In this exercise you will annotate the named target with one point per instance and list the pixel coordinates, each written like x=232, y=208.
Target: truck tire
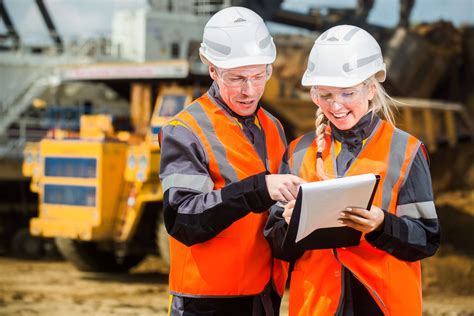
x=86, y=256
x=25, y=246
x=162, y=241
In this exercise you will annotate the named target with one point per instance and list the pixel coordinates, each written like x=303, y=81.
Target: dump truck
x=99, y=192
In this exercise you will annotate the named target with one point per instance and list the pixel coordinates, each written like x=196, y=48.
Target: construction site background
x=45, y=90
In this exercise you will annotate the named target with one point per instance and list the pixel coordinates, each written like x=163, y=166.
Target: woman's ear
x=314, y=96
x=212, y=72
x=372, y=89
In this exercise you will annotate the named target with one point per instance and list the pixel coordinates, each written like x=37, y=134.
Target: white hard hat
x=235, y=37
x=344, y=56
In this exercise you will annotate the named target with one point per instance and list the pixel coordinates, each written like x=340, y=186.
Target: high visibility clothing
x=238, y=260
x=316, y=281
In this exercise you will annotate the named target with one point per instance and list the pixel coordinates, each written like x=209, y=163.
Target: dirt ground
x=55, y=288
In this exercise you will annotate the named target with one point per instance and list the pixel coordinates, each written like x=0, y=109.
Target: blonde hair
x=379, y=104
x=321, y=124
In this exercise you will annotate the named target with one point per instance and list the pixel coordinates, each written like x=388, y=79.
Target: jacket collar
x=356, y=135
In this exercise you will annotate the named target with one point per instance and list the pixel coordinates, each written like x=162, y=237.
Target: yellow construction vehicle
x=99, y=192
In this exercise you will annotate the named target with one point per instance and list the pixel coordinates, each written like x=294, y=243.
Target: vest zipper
x=374, y=293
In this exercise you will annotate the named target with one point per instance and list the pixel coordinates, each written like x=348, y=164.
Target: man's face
x=241, y=88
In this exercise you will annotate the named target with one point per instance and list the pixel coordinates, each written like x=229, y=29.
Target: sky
x=93, y=18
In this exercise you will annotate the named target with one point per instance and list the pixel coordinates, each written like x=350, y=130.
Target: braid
x=321, y=123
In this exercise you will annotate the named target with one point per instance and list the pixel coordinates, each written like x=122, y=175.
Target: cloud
x=72, y=18
x=85, y=20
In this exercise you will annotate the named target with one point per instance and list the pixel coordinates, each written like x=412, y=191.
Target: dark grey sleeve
x=193, y=211
x=414, y=232
x=276, y=227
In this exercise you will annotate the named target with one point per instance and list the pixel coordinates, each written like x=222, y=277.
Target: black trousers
x=357, y=299
x=235, y=306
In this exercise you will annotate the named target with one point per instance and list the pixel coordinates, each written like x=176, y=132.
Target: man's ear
x=269, y=71
x=212, y=72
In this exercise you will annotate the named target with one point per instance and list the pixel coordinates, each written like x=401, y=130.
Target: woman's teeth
x=340, y=115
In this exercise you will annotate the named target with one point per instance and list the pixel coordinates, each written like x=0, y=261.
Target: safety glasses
x=234, y=80
x=324, y=96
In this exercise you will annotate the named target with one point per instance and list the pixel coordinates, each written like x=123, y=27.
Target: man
x=217, y=157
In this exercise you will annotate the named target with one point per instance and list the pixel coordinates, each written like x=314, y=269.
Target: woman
x=380, y=276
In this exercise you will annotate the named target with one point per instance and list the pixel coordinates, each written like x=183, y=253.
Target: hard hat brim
x=241, y=62
x=309, y=81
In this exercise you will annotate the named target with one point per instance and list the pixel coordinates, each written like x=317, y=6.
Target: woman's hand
x=288, y=211
x=361, y=219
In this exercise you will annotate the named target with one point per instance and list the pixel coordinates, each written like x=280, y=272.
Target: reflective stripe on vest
x=194, y=182
x=317, y=277
x=238, y=260
x=300, y=151
x=217, y=148
x=281, y=132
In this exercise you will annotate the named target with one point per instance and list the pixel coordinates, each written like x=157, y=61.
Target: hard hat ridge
x=236, y=37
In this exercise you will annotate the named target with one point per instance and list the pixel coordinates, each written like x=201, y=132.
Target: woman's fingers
x=361, y=219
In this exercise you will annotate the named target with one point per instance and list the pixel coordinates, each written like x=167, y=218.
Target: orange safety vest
x=316, y=279
x=238, y=260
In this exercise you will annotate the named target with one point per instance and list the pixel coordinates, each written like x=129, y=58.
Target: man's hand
x=283, y=187
x=361, y=219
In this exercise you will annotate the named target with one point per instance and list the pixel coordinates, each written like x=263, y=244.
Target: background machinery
x=99, y=191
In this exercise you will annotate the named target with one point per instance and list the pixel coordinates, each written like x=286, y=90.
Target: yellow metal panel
x=70, y=148
x=65, y=229
x=95, y=222
x=79, y=214
x=142, y=163
x=96, y=126
x=149, y=192
x=70, y=181
x=140, y=107
x=111, y=184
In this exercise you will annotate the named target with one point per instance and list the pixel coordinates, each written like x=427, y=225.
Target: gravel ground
x=55, y=288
